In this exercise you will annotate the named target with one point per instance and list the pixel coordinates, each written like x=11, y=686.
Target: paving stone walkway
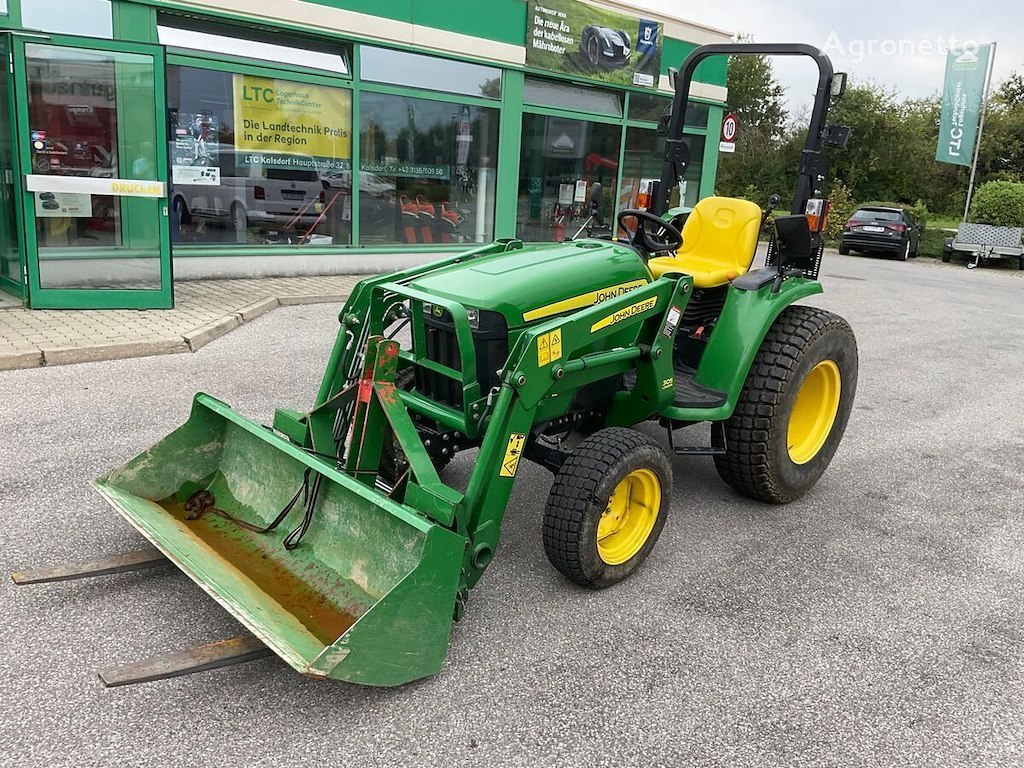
x=204, y=310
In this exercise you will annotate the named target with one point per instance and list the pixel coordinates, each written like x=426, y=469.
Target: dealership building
x=153, y=141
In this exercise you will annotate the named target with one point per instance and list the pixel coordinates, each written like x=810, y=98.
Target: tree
x=756, y=98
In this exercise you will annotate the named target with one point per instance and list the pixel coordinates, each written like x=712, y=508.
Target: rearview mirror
x=838, y=85
x=673, y=75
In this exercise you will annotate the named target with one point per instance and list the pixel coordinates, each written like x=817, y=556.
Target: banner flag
x=962, y=97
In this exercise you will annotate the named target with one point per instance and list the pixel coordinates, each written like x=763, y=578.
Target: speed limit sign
x=730, y=126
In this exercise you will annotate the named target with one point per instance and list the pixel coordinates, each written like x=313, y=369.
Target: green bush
x=931, y=243
x=1000, y=203
x=840, y=210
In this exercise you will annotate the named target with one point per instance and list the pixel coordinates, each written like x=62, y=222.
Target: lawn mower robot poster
x=570, y=36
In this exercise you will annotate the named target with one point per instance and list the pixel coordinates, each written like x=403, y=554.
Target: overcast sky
x=848, y=31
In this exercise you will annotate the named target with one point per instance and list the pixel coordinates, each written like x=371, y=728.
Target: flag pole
x=981, y=129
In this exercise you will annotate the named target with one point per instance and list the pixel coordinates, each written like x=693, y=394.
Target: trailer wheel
x=607, y=507
x=794, y=407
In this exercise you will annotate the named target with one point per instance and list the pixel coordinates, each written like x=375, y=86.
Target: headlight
x=474, y=318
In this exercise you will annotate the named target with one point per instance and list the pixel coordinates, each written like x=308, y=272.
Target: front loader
x=331, y=534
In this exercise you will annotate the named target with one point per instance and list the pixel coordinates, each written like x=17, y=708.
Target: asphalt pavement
x=877, y=621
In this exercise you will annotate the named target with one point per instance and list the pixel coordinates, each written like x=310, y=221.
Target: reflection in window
x=645, y=153
x=89, y=18
x=302, y=54
x=258, y=160
x=426, y=172
x=561, y=161
x=413, y=70
x=582, y=98
x=651, y=107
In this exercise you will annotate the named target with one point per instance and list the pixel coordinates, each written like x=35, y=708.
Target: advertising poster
x=572, y=37
x=286, y=124
x=54, y=205
x=195, y=149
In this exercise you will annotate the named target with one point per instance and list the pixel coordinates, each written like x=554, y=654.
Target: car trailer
x=982, y=242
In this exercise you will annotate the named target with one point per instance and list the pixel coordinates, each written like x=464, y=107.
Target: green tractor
x=333, y=538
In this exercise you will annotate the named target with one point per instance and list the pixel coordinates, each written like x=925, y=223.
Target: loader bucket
x=367, y=595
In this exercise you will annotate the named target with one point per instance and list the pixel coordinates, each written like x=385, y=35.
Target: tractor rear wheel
x=794, y=407
x=607, y=507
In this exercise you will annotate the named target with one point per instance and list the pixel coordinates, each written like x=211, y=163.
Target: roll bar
x=677, y=155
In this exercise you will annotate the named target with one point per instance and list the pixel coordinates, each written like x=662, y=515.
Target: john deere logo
x=437, y=311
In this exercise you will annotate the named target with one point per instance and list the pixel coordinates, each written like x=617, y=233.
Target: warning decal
x=549, y=347
x=510, y=463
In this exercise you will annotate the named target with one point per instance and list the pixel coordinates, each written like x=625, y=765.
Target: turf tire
x=757, y=461
x=580, y=495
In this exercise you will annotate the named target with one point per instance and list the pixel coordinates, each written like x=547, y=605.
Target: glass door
x=92, y=144
x=12, y=275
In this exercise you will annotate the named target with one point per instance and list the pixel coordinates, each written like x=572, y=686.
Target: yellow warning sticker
x=549, y=347
x=510, y=463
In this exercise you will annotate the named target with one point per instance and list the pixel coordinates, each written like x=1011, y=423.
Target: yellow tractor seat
x=719, y=239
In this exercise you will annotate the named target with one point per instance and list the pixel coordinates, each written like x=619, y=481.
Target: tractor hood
x=540, y=281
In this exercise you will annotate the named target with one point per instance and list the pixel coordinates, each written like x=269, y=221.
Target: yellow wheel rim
x=628, y=520
x=814, y=411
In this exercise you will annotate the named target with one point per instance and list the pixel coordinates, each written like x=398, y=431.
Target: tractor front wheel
x=607, y=507
x=793, y=409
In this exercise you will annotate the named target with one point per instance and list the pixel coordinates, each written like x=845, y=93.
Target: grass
x=943, y=222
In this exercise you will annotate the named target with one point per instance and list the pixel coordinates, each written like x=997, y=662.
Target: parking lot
x=877, y=621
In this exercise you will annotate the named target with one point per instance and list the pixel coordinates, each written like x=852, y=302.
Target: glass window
x=412, y=70
x=90, y=18
x=561, y=161
x=279, y=49
x=645, y=153
x=258, y=160
x=649, y=106
x=3, y=6
x=426, y=172
x=582, y=98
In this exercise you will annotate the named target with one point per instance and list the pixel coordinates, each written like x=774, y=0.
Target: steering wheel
x=653, y=234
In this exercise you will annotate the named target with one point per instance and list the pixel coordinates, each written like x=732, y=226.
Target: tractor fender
x=742, y=326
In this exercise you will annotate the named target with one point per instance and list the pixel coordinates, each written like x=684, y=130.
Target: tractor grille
x=705, y=306
x=442, y=346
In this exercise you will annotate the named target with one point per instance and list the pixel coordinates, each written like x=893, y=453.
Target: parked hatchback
x=881, y=230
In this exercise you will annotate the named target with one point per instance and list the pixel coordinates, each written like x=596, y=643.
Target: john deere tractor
x=331, y=534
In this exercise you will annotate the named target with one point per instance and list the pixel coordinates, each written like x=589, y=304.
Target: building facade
x=147, y=141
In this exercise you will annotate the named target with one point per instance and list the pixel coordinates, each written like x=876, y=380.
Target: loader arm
x=537, y=371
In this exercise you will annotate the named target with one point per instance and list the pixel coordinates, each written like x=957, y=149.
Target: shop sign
x=564, y=137
x=291, y=122
x=571, y=37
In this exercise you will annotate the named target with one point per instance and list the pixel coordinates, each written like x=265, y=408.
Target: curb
x=204, y=334
x=191, y=341
x=17, y=360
